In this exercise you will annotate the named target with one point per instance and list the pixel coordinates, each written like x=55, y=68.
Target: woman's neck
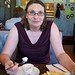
x=34, y=29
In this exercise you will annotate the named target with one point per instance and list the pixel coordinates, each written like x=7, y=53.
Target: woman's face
x=35, y=15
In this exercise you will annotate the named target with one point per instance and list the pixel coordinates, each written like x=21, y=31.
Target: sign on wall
x=21, y=2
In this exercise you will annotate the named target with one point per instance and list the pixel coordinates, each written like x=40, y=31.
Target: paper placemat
x=58, y=68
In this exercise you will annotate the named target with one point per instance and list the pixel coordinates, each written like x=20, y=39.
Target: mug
x=28, y=69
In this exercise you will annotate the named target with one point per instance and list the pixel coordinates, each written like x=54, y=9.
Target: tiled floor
x=69, y=50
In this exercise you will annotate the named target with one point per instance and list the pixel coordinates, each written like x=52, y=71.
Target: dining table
x=41, y=67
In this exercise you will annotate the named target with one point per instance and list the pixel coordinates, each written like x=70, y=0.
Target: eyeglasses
x=33, y=13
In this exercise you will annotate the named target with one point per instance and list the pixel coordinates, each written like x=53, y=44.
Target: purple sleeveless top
x=36, y=53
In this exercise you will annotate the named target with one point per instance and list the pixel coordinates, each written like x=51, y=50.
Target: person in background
x=18, y=15
x=33, y=41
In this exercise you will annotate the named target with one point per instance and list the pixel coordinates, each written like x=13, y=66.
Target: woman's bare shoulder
x=54, y=28
x=13, y=29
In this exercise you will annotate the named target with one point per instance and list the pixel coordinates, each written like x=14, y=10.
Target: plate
x=36, y=71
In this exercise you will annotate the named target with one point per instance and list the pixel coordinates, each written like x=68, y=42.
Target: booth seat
x=53, y=59
x=3, y=37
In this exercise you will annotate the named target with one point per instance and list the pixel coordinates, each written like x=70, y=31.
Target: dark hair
x=18, y=12
x=35, y=2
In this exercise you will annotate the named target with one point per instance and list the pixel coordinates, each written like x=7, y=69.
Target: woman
x=34, y=40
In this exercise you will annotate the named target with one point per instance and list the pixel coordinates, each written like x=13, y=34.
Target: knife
x=58, y=68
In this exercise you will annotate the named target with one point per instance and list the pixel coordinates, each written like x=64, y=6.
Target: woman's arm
x=60, y=54
x=9, y=46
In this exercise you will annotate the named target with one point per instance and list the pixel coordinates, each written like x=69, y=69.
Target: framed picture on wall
x=24, y=2
x=49, y=10
x=49, y=6
x=59, y=0
x=72, y=1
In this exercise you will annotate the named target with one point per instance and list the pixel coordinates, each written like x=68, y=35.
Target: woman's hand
x=11, y=68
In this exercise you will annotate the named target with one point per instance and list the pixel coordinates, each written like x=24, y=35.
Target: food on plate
x=53, y=73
